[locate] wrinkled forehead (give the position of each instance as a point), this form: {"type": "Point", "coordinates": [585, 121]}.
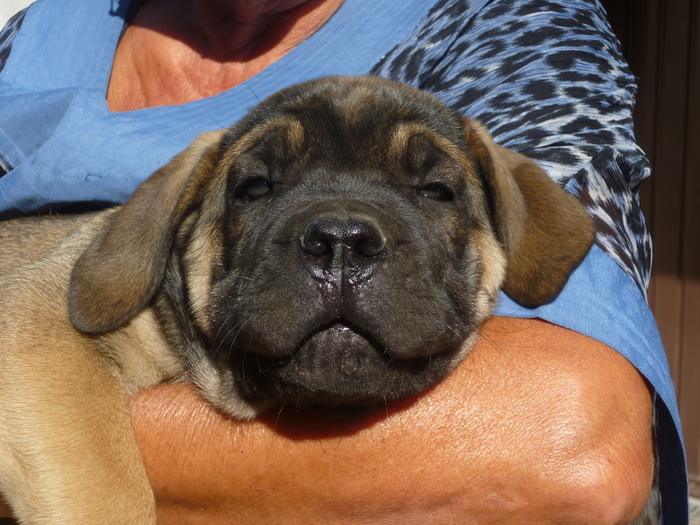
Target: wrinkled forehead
{"type": "Point", "coordinates": [351, 119]}
{"type": "Point", "coordinates": [364, 107]}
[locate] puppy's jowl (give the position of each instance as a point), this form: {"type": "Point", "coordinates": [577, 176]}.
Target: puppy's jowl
{"type": "Point", "coordinates": [338, 248]}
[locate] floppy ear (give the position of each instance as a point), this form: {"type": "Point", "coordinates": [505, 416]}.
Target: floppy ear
{"type": "Point", "coordinates": [546, 231]}
{"type": "Point", "coordinates": [123, 267]}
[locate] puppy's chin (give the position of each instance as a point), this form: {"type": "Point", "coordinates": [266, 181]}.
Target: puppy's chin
{"type": "Point", "coordinates": [337, 370]}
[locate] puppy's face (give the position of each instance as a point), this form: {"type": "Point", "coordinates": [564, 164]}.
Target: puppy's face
{"type": "Point", "coordinates": [352, 269]}
{"type": "Point", "coordinates": [337, 248]}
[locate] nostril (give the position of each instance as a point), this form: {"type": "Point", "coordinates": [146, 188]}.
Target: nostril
{"type": "Point", "coordinates": [327, 235]}
{"type": "Point", "coordinates": [369, 241]}
{"type": "Point", "coordinates": [316, 245]}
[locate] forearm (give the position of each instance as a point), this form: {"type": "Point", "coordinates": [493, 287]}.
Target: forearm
{"type": "Point", "coordinates": [538, 425]}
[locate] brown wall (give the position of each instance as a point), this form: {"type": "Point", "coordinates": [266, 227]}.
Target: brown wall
{"type": "Point", "coordinates": [661, 42]}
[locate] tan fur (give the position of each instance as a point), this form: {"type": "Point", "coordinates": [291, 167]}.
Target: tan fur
{"type": "Point", "coordinates": [57, 389]}
{"type": "Point", "coordinates": [398, 142]}
{"type": "Point", "coordinates": [494, 265]}
{"type": "Point", "coordinates": [70, 360]}
{"type": "Point", "coordinates": [291, 129]}
{"type": "Point", "coordinates": [147, 226]}
{"type": "Point", "coordinates": [207, 246]}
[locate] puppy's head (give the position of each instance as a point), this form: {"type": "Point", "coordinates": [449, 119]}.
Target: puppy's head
{"type": "Point", "coordinates": [339, 247]}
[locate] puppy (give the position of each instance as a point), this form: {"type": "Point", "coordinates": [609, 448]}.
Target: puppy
{"type": "Point", "coordinates": [338, 248]}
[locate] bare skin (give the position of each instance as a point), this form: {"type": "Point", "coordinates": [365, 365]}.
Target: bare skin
{"type": "Point", "coordinates": [540, 425]}
{"type": "Point", "coordinates": [177, 51]}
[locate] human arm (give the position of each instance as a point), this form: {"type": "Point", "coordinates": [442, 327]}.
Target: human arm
{"type": "Point", "coordinates": [539, 425]}
{"type": "Point", "coordinates": [566, 100]}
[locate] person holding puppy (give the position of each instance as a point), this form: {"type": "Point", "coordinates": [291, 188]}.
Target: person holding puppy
{"type": "Point", "coordinates": [548, 419]}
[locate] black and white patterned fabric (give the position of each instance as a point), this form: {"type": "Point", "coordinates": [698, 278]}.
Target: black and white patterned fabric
{"type": "Point", "coordinates": [548, 80]}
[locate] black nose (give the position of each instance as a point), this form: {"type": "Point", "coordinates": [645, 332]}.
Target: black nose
{"type": "Point", "coordinates": [343, 240]}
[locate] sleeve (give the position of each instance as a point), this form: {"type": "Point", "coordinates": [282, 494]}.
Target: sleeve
{"type": "Point", "coordinates": [548, 80]}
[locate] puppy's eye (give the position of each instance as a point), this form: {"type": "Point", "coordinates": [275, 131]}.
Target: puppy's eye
{"type": "Point", "coordinates": [436, 191]}
{"type": "Point", "coordinates": [254, 188]}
